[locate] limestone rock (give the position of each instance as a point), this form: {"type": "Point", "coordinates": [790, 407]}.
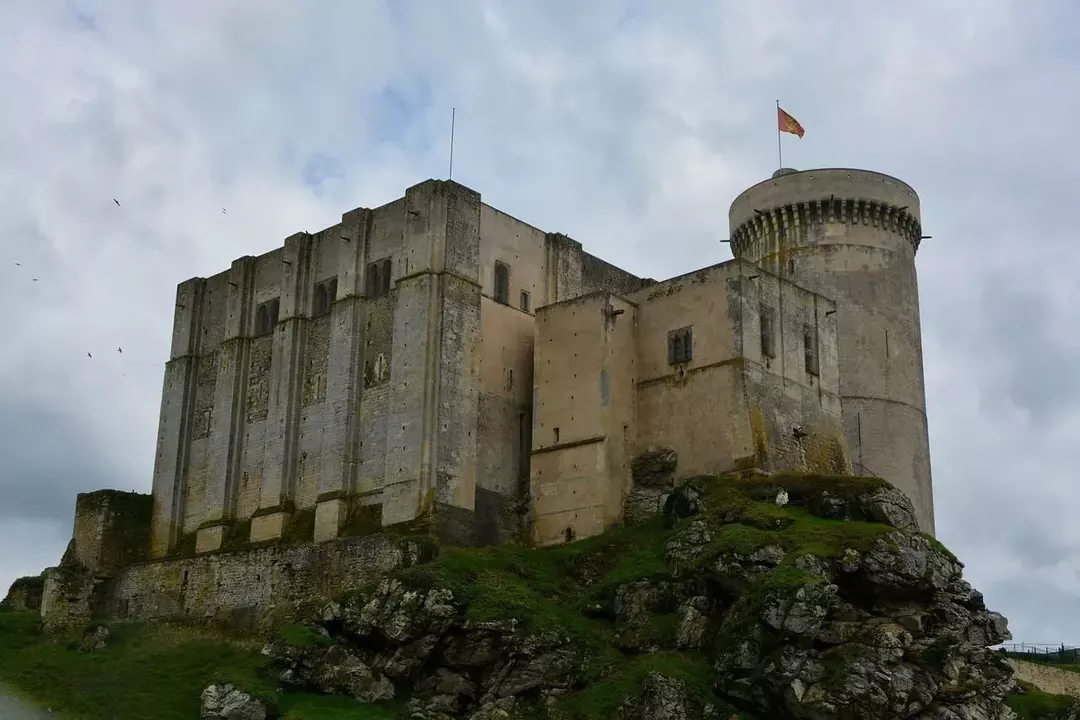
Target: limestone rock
{"type": "Point", "coordinates": [653, 473]}
{"type": "Point", "coordinates": [664, 698]}
{"type": "Point", "coordinates": [786, 618]}
{"type": "Point", "coordinates": [224, 702]}
{"type": "Point", "coordinates": [95, 638]}
{"type": "Point", "coordinates": [655, 468]}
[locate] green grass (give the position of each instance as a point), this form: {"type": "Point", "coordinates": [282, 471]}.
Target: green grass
{"type": "Point", "coordinates": [1035, 705]}
{"type": "Point", "coordinates": [148, 670]}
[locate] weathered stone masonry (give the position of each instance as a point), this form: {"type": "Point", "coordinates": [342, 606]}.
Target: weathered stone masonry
{"type": "Point", "coordinates": [280, 400]}
{"type": "Point", "coordinates": [435, 360]}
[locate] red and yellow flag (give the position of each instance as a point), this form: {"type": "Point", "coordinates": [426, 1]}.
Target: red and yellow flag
{"type": "Point", "coordinates": [788, 124]}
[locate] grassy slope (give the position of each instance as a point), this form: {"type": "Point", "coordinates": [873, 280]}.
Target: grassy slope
{"type": "Point", "coordinates": [159, 671]}
{"type": "Point", "coordinates": [146, 671]}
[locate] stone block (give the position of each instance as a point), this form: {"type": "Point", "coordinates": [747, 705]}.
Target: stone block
{"type": "Point", "coordinates": [209, 538]}
{"type": "Point", "coordinates": [329, 517]}
{"type": "Point", "coordinates": [269, 526]}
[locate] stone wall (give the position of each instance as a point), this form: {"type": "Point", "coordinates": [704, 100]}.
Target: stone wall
{"type": "Point", "coordinates": [24, 594]}
{"type": "Point", "coordinates": [112, 530]}
{"type": "Point", "coordinates": [1047, 678]}
{"type": "Point", "coordinates": [238, 586]}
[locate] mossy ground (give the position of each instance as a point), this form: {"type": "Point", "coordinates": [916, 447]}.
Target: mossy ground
{"type": "Point", "coordinates": [162, 671]}
{"type": "Point", "coordinates": [148, 670]}
{"type": "Point", "coordinates": [1035, 705]}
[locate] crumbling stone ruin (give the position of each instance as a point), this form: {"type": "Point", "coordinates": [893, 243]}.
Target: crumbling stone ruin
{"type": "Point", "coordinates": [437, 366]}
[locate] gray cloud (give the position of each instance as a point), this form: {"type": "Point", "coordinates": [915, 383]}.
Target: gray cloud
{"type": "Point", "coordinates": [629, 125]}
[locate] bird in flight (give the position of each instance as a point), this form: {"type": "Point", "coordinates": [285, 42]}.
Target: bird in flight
{"type": "Point", "coordinates": [223, 211]}
{"type": "Point", "coordinates": [18, 264]}
{"type": "Point", "coordinates": [116, 201]}
{"type": "Point", "coordinates": [89, 355]}
{"type": "Point", "coordinates": [34, 279]}
{"type": "Point", "coordinates": [120, 350]}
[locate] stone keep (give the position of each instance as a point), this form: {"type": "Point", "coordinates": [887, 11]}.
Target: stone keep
{"type": "Point", "coordinates": [379, 368]}
{"type": "Point", "coordinates": [852, 235]}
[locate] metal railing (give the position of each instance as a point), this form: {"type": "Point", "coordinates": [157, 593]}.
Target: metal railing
{"type": "Point", "coordinates": [1060, 654]}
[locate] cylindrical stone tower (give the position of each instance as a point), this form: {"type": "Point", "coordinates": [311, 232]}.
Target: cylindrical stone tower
{"type": "Point", "coordinates": [851, 235]}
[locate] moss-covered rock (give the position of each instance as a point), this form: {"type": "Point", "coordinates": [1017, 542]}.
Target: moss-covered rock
{"type": "Point", "coordinates": [787, 596]}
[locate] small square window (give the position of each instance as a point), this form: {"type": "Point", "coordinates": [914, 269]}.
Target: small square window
{"type": "Point", "coordinates": [525, 301]}
{"type": "Point", "coordinates": [680, 346]}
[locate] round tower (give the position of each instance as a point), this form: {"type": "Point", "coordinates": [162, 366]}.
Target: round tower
{"type": "Point", "coordinates": [851, 235]}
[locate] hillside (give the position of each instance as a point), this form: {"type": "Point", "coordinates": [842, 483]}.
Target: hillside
{"type": "Point", "coordinates": [788, 596]}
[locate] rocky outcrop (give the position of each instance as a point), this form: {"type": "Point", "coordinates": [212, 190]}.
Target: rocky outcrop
{"type": "Point", "coordinates": [224, 702]}
{"type": "Point", "coordinates": [769, 597]}
{"type": "Point", "coordinates": [653, 474]}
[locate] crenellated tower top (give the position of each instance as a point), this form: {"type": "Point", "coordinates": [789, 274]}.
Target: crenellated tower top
{"type": "Point", "coordinates": [791, 200]}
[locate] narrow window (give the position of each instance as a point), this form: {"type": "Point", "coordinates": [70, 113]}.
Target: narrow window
{"type": "Point", "coordinates": [556, 434]}
{"type": "Point", "coordinates": [569, 534]}
{"type": "Point", "coordinates": [371, 281]}
{"type": "Point", "coordinates": [385, 278]}
{"type": "Point", "coordinates": [680, 346]}
{"type": "Point", "coordinates": [331, 292]}
{"type": "Point", "coordinates": [767, 332]}
{"type": "Point", "coordinates": [318, 300]}
{"type": "Point", "coordinates": [525, 301]}
{"type": "Point", "coordinates": [275, 307]}
{"type": "Point", "coordinates": [810, 350]}
{"type": "Point", "coordinates": [502, 284]}
{"type": "Point", "coordinates": [261, 321]}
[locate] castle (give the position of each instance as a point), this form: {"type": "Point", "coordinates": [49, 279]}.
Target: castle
{"type": "Point", "coordinates": [435, 359]}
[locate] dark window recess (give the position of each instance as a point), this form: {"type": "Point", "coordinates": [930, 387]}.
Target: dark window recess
{"type": "Point", "coordinates": [525, 301]}
{"type": "Point", "coordinates": [377, 279]}
{"type": "Point", "coordinates": [768, 332]}
{"type": "Point", "coordinates": [266, 317]}
{"type": "Point", "coordinates": [810, 349]}
{"type": "Point", "coordinates": [680, 346]}
{"type": "Point", "coordinates": [324, 296]}
{"type": "Point", "coordinates": [502, 284]}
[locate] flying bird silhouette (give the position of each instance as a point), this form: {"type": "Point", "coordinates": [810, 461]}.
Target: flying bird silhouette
{"type": "Point", "coordinates": [116, 201]}
{"type": "Point", "coordinates": [223, 211]}
{"type": "Point", "coordinates": [119, 350]}
{"type": "Point", "coordinates": [18, 264]}
{"type": "Point", "coordinates": [34, 279]}
{"type": "Point", "coordinates": [89, 355]}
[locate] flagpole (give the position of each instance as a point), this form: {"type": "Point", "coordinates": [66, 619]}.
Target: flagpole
{"type": "Point", "coordinates": [779, 151]}
{"type": "Point", "coordinates": [453, 116]}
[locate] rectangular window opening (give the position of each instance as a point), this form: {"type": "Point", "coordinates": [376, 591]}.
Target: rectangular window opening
{"type": "Point", "coordinates": [680, 346]}
{"type": "Point", "coordinates": [556, 434]}
{"type": "Point", "coordinates": [377, 279]}
{"type": "Point", "coordinates": [768, 332]}
{"type": "Point", "coordinates": [810, 350]}
{"type": "Point", "coordinates": [525, 301]}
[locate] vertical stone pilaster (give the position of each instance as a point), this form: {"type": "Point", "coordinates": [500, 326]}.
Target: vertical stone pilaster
{"type": "Point", "coordinates": [174, 423]}
{"type": "Point", "coordinates": [275, 500]}
{"type": "Point", "coordinates": [431, 438]}
{"type": "Point", "coordinates": [345, 377]}
{"type": "Point", "coordinates": [227, 432]}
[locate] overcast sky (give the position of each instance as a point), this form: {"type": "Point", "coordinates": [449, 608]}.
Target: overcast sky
{"type": "Point", "coordinates": [629, 125]}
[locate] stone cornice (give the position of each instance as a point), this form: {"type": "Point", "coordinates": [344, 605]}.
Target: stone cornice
{"type": "Point", "coordinates": [787, 218]}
